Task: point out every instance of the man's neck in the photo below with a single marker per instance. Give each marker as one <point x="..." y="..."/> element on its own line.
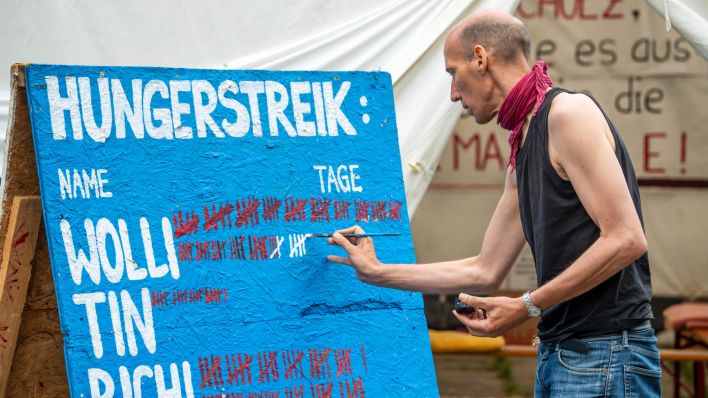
<point x="510" y="77"/>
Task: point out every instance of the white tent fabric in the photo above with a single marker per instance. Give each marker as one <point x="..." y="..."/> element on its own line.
<point x="403" y="37"/>
<point x="689" y="17"/>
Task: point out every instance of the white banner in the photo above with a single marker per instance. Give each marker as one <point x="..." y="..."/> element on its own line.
<point x="652" y="84"/>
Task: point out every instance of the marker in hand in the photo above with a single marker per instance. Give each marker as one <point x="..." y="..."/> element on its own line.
<point x="354" y="235"/>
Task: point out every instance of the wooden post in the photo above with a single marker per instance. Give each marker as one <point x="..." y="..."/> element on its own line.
<point x="20" y="240"/>
<point x="38" y="367"/>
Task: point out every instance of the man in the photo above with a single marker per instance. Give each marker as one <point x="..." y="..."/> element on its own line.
<point x="571" y="192"/>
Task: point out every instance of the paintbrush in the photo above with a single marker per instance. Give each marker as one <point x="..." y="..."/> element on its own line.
<point x="354" y="235"/>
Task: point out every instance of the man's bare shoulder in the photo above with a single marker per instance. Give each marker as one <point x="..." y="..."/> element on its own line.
<point x="573" y="112"/>
<point x="570" y="106"/>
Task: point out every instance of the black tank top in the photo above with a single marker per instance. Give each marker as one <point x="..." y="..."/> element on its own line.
<point x="559" y="230"/>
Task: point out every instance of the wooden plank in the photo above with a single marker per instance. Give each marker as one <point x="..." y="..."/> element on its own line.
<point x="20" y="241"/>
<point x="20" y="168"/>
<point x="38" y="367"/>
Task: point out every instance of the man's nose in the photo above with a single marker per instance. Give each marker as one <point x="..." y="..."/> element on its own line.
<point x="454" y="94"/>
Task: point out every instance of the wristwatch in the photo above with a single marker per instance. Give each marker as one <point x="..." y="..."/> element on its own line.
<point x="531" y="308"/>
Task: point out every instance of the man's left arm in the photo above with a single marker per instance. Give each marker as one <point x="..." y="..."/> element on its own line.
<point x="581" y="149"/>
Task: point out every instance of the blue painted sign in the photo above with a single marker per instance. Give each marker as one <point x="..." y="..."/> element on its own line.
<point x="177" y="204"/>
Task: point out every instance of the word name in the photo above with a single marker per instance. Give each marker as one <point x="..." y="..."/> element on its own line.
<point x="85" y="183"/>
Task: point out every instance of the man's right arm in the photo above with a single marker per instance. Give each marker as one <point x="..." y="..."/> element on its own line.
<point x="501" y="246"/>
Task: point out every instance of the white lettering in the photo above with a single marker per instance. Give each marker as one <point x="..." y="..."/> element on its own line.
<point x="95" y="376"/>
<point x="240" y="127"/>
<point x="305" y="129"/>
<point x="252" y="89"/>
<point x="89" y="300"/>
<point x="333" y="103"/>
<point x="145" y="326"/>
<point x="58" y="105"/>
<point x="99" y="134"/>
<point x="164" y="129"/>
<point x="123" y="112"/>
<point x="202" y="111"/>
<point x="78" y="263"/>
<point x="276" y="108"/>
<point x="179" y="108"/>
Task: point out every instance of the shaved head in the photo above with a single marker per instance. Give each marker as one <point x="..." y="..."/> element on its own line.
<point x="505" y="37"/>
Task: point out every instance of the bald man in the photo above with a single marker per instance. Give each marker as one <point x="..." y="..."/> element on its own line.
<point x="571" y="193"/>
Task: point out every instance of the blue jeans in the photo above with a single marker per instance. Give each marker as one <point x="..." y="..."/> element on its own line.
<point x="619" y="365"/>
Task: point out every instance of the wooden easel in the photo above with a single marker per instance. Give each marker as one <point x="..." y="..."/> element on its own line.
<point x="31" y="346"/>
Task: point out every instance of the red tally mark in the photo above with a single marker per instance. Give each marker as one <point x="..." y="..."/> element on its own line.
<point x="218" y="250"/>
<point x="222" y="216"/>
<point x="394" y="211"/>
<point x="355" y="389"/>
<point x="321" y="390"/>
<point x="259" y="394"/>
<point x="247" y="210"/>
<point x="206" y="295"/>
<point x="215" y="295"/>
<point x="268" y="367"/>
<point x="236" y="249"/>
<point x="258" y="249"/>
<point x="378" y="211"/>
<point x="196" y="296"/>
<point x="210" y="371"/>
<point x="295" y="210"/>
<point x="293" y="364"/>
<point x="294" y="392"/>
<point x="341" y="209"/>
<point x="180" y="297"/>
<point x="271" y="206"/>
<point x="320" y="209"/>
<point x="238" y="368"/>
<point x="344" y="363"/>
<point x="185" y="251"/>
<point x="362" y="210"/>
<point x="159" y="299"/>
<point x="319" y="365"/>
<point x="185" y="225"/>
<point x="363" y="357"/>
<point x="202" y="251"/>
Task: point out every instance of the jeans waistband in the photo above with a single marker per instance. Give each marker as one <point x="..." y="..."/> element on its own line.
<point x="580" y="346"/>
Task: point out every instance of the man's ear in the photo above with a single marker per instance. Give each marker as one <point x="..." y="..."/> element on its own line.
<point x="479" y="58"/>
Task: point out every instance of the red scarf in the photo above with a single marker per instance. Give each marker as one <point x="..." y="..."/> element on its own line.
<point x="524" y="97"/>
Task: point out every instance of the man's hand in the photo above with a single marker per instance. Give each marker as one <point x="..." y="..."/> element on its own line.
<point x="503" y="313"/>
<point x="362" y="255"/>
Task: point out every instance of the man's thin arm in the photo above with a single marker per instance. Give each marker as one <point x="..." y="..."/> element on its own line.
<point x="502" y="243"/>
<point x="578" y="136"/>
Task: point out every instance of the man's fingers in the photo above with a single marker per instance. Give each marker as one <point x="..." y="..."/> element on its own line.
<point x="355" y="229"/>
<point x="474" y="301"/>
<point x="344" y="242"/>
<point x="477" y="327"/>
<point x="339" y="260"/>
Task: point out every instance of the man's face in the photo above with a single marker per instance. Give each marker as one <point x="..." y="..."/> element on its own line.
<point x="469" y="84"/>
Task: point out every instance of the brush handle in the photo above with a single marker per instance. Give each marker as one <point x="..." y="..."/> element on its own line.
<point x="356" y="235"/>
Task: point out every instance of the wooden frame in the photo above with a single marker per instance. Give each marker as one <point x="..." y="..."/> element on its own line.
<point x="37" y="366"/>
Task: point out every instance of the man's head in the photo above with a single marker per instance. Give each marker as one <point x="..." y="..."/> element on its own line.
<point x="486" y="54"/>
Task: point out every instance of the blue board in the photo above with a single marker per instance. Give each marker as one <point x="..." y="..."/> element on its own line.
<point x="176" y="203"/>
